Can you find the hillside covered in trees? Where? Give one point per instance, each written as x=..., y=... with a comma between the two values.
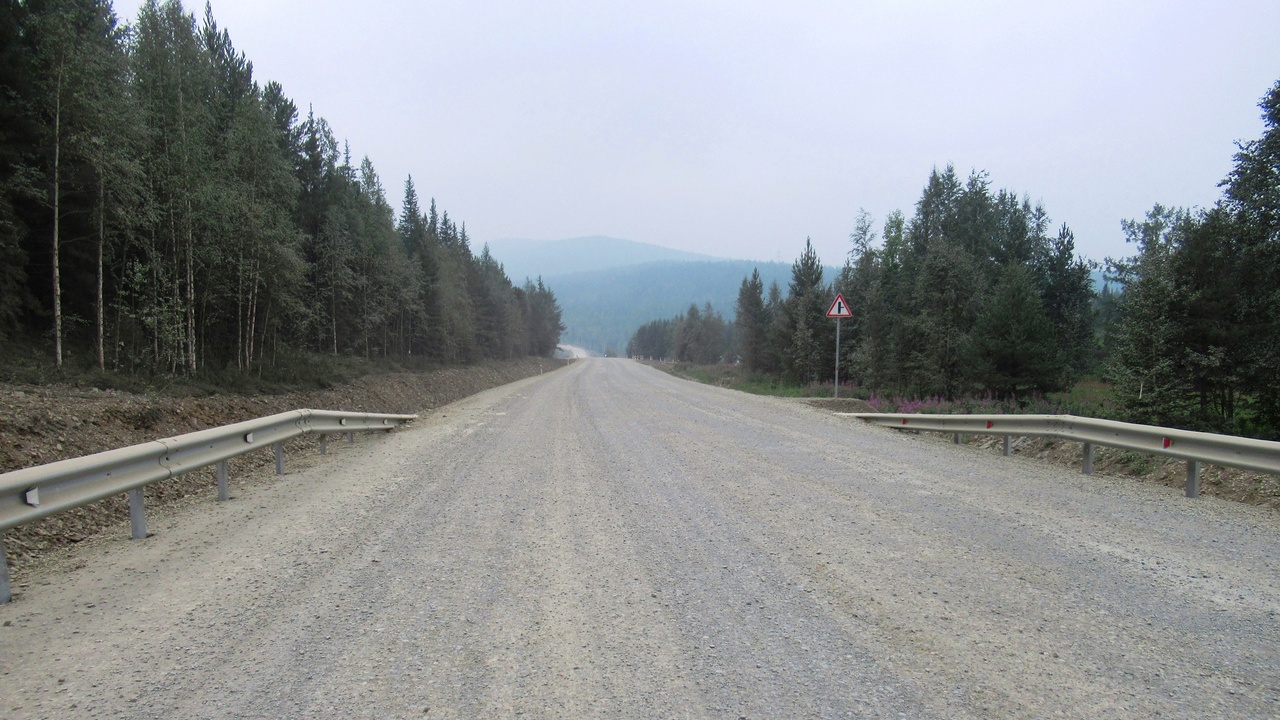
x=971, y=293
x=603, y=308
x=161, y=211
x=974, y=293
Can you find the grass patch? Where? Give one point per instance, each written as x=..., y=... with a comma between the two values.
x=736, y=378
x=1089, y=398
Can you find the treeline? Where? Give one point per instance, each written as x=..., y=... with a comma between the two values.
x=1198, y=343
x=971, y=293
x=974, y=294
x=697, y=336
x=162, y=211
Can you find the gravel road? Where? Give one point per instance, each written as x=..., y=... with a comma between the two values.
x=608, y=541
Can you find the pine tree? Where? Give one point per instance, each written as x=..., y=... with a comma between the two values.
x=1253, y=202
x=776, y=332
x=752, y=322
x=856, y=283
x=78, y=58
x=1065, y=285
x=1013, y=345
x=20, y=130
x=805, y=318
x=152, y=190
x=1146, y=366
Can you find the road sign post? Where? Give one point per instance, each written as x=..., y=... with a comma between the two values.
x=839, y=310
x=837, y=385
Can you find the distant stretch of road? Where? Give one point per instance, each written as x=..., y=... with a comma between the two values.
x=606, y=541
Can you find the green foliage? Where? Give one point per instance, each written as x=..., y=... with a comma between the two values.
x=696, y=336
x=752, y=323
x=927, y=298
x=970, y=294
x=1198, y=340
x=653, y=340
x=735, y=377
x=804, y=327
x=1013, y=348
x=198, y=227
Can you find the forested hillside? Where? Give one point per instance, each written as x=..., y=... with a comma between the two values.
x=603, y=308
x=162, y=211
x=975, y=293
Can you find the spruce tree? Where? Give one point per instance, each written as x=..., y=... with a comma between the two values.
x=752, y=323
x=1013, y=345
x=1253, y=202
x=805, y=319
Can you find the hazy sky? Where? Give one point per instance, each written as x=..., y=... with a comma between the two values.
x=738, y=128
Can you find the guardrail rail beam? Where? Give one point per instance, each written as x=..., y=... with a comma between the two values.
x=1195, y=448
x=36, y=492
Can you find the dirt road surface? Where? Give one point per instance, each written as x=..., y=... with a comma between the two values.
x=607, y=541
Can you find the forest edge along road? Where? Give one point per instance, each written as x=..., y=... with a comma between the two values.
x=609, y=541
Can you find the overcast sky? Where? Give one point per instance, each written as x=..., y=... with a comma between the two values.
x=738, y=128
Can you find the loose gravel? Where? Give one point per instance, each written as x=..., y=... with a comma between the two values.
x=608, y=541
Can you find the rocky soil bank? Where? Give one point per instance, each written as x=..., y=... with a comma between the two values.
x=44, y=424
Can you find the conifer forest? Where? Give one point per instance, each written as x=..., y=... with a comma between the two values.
x=977, y=292
x=162, y=211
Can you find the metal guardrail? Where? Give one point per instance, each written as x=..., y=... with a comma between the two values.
x=35, y=492
x=1193, y=447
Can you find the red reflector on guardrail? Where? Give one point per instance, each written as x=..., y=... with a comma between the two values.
x=904, y=421
x=1167, y=442
x=989, y=424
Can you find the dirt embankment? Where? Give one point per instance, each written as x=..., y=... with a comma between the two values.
x=40, y=425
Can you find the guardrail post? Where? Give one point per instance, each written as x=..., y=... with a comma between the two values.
x=1008, y=445
x=1193, y=479
x=137, y=515
x=351, y=438
x=1087, y=466
x=955, y=438
x=279, y=451
x=324, y=444
x=222, y=481
x=5, y=596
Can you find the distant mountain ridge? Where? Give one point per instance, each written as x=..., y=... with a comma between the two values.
x=609, y=287
x=551, y=258
x=603, y=308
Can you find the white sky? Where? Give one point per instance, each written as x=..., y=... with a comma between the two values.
x=738, y=128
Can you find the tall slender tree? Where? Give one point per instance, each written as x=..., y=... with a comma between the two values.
x=753, y=323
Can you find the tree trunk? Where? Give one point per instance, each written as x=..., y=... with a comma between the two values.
x=191, y=295
x=102, y=211
x=252, y=319
x=57, y=211
x=240, y=318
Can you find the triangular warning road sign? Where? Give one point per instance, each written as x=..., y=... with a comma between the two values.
x=839, y=308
